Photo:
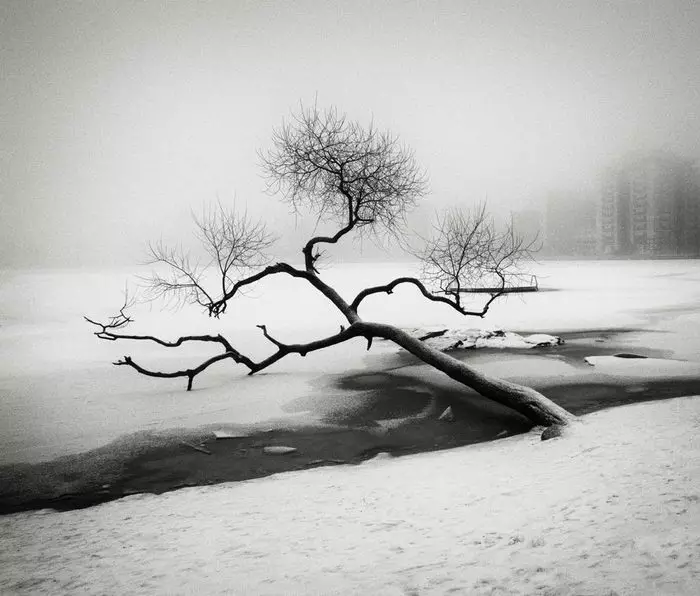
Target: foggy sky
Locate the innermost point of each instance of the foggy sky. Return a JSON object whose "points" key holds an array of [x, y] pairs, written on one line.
{"points": [[118, 118]]}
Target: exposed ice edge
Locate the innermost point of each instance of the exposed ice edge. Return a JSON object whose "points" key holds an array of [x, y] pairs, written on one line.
{"points": [[467, 339]]}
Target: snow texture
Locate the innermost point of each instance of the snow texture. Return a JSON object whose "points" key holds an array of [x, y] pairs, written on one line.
{"points": [[465, 338], [611, 508]]}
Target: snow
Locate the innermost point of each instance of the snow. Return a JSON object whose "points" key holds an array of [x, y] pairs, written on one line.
{"points": [[61, 395], [465, 338], [574, 295], [611, 508]]}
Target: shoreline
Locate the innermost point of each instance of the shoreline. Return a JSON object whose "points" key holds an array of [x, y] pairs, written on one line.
{"points": [[397, 412], [612, 508]]}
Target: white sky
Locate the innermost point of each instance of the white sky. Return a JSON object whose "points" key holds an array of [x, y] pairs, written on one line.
{"points": [[117, 118]]}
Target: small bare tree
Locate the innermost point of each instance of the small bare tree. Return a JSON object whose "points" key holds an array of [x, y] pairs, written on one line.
{"points": [[234, 246], [359, 180], [466, 250]]}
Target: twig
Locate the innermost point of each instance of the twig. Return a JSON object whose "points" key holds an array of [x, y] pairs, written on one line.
{"points": [[195, 447]]}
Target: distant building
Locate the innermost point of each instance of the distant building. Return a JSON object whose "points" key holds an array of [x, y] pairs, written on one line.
{"points": [[570, 225], [650, 205]]}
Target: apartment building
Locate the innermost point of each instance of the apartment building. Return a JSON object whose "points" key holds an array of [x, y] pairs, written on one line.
{"points": [[650, 205]]}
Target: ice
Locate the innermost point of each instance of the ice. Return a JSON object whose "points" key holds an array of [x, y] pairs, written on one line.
{"points": [[61, 394], [611, 508], [651, 368]]}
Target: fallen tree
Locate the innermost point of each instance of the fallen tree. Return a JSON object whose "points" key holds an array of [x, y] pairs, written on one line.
{"points": [[358, 180]]}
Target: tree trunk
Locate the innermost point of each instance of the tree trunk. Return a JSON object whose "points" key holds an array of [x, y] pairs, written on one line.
{"points": [[528, 402]]}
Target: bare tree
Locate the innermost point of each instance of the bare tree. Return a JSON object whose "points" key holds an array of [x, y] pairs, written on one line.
{"points": [[466, 250], [360, 180], [234, 246]]}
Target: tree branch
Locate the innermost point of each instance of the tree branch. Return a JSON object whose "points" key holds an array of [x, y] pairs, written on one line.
{"points": [[357, 177], [303, 349], [453, 303], [235, 244], [190, 373], [310, 258], [466, 250], [219, 306], [106, 332]]}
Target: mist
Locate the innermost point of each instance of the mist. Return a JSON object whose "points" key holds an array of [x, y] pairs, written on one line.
{"points": [[119, 119]]}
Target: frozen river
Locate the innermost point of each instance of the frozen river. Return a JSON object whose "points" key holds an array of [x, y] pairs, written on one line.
{"points": [[59, 393]]}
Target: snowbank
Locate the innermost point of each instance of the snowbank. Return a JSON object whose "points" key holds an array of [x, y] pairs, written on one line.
{"points": [[614, 508], [465, 338]]}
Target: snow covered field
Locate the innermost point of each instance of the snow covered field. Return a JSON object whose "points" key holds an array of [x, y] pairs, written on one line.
{"points": [[61, 395]]}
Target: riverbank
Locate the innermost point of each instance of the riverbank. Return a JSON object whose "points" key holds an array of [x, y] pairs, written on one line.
{"points": [[612, 508]]}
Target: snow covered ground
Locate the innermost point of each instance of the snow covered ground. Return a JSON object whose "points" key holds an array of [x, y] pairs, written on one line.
{"points": [[613, 508], [60, 394]]}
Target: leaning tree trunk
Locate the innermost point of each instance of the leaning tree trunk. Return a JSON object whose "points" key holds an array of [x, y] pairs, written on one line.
{"points": [[530, 403]]}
